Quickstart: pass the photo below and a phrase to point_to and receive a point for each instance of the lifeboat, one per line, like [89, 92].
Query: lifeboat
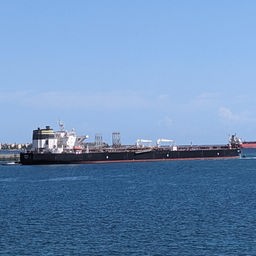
[77, 148]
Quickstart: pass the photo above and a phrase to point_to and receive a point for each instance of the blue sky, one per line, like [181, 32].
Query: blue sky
[183, 70]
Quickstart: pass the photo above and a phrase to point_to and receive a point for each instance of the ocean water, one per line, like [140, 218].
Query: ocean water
[165, 208]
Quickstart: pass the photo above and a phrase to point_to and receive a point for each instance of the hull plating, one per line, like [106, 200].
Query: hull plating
[110, 157]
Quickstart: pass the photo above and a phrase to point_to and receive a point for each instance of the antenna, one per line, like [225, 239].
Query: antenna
[61, 125]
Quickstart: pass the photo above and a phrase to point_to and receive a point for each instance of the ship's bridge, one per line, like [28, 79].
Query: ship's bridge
[44, 139]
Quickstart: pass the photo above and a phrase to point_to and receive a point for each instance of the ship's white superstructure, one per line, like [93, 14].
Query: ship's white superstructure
[46, 140]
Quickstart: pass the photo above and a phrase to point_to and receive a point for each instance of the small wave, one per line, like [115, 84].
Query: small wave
[73, 178]
[8, 180]
[9, 163]
[248, 157]
[57, 179]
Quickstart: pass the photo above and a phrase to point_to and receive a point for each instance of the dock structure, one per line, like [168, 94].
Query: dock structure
[10, 157]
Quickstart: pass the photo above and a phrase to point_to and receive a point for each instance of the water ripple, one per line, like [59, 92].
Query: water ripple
[176, 208]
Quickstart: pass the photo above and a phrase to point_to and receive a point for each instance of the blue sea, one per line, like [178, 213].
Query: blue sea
[162, 208]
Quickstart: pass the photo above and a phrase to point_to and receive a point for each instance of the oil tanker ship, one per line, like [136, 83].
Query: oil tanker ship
[65, 147]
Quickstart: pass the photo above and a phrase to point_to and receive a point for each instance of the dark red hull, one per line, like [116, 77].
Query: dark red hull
[248, 144]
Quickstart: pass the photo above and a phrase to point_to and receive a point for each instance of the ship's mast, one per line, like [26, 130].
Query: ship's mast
[61, 125]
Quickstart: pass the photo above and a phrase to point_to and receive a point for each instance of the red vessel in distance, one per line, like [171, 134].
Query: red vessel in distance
[242, 144]
[248, 144]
